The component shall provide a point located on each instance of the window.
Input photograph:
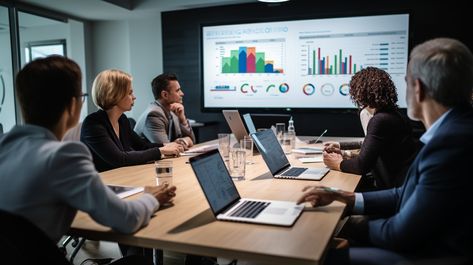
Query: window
(40, 49)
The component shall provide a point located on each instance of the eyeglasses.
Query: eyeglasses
(84, 96)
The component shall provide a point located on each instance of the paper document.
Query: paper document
(125, 191)
(200, 149)
(307, 150)
(315, 159)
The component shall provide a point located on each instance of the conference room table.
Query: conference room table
(188, 225)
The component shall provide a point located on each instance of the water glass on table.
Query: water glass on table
(288, 143)
(237, 163)
(247, 144)
(163, 172)
(224, 144)
(280, 128)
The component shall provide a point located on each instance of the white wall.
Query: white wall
(146, 59)
(134, 46)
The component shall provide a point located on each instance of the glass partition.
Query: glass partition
(41, 36)
(7, 97)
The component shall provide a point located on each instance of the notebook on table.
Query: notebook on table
(227, 204)
(277, 162)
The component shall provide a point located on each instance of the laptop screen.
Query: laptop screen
(235, 123)
(215, 181)
(249, 123)
(269, 147)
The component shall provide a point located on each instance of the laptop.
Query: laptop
(277, 162)
(235, 123)
(225, 201)
(249, 123)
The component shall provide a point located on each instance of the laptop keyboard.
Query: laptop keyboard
(249, 209)
(294, 171)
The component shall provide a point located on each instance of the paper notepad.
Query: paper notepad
(317, 159)
(307, 150)
(200, 149)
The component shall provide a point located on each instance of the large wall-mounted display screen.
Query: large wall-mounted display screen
(300, 63)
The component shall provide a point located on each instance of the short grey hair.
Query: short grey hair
(445, 67)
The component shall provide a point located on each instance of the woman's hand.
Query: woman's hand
(171, 149)
(185, 142)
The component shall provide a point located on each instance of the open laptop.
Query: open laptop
(249, 123)
(235, 123)
(277, 162)
(225, 201)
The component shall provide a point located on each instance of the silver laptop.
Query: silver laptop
(225, 201)
(235, 123)
(277, 162)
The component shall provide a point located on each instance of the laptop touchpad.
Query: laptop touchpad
(275, 210)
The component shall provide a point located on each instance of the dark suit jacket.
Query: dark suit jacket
(427, 215)
(108, 151)
(387, 151)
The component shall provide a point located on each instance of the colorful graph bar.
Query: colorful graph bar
(321, 65)
(248, 60)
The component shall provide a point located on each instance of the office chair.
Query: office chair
(132, 122)
(21, 242)
(73, 134)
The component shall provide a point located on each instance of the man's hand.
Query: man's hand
(163, 193)
(318, 195)
(332, 147)
(332, 160)
(178, 109)
(321, 196)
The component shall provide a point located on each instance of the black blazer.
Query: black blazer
(108, 151)
(387, 151)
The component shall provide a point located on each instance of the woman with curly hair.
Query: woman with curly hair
(389, 146)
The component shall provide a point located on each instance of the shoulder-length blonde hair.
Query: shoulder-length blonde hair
(109, 87)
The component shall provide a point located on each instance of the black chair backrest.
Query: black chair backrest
(21, 242)
(132, 122)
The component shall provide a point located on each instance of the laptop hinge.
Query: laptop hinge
(229, 206)
(286, 167)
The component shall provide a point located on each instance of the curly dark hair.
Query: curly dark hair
(373, 87)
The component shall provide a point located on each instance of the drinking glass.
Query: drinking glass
(163, 172)
(247, 144)
(237, 163)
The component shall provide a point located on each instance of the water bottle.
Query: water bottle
(292, 132)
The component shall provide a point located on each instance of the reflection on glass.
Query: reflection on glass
(7, 100)
(41, 36)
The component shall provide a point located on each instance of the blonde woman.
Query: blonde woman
(108, 133)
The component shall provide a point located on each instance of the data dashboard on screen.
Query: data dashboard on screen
(300, 63)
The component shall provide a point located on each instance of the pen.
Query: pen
(318, 138)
